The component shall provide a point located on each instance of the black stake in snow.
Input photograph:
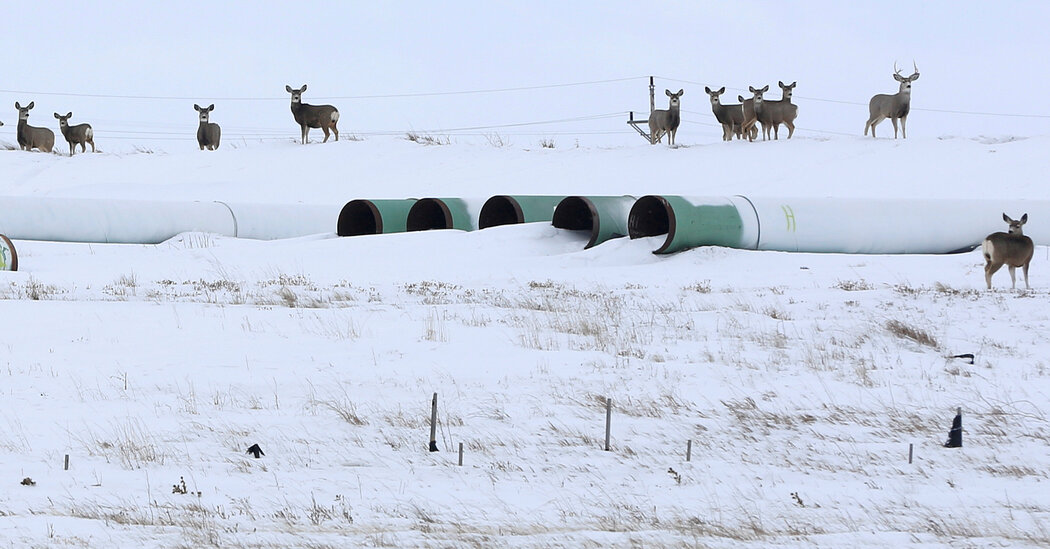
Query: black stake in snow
(955, 434)
(255, 451)
(433, 424)
(608, 421)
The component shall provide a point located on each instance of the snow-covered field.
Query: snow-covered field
(801, 379)
(797, 382)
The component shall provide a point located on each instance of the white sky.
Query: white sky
(971, 59)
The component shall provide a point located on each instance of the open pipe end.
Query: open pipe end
(8, 255)
(577, 213)
(429, 213)
(500, 210)
(359, 217)
(652, 216)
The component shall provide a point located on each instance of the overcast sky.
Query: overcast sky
(971, 58)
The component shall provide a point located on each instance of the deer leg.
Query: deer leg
(92, 145)
(990, 269)
(776, 131)
(1024, 269)
(791, 128)
(1013, 277)
(904, 130)
(325, 130)
(894, 120)
(336, 131)
(306, 130)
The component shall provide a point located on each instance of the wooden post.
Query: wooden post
(461, 454)
(652, 96)
(608, 421)
(911, 452)
(688, 449)
(66, 467)
(433, 424)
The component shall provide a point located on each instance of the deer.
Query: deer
(81, 134)
(758, 111)
(313, 116)
(31, 137)
(782, 112)
(1012, 249)
(208, 133)
(896, 106)
(730, 116)
(666, 121)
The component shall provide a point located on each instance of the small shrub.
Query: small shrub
(917, 335)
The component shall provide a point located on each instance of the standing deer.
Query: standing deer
(782, 112)
(208, 133)
(666, 122)
(76, 135)
(883, 106)
(751, 108)
(313, 116)
(731, 117)
(31, 137)
(1012, 249)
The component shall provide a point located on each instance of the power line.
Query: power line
(373, 96)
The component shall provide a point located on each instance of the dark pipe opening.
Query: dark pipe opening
(359, 217)
(574, 213)
(428, 213)
(577, 213)
(500, 210)
(650, 216)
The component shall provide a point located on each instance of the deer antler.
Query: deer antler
(895, 69)
(916, 67)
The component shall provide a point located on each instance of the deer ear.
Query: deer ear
(31, 104)
(287, 88)
(723, 90)
(58, 116)
(1024, 219)
(681, 92)
(70, 115)
(706, 89)
(765, 88)
(1006, 218)
(17, 106)
(667, 92)
(211, 107)
(914, 77)
(302, 89)
(196, 107)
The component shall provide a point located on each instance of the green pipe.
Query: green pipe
(507, 210)
(360, 217)
(440, 213)
(605, 217)
(687, 225)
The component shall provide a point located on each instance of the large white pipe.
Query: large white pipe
(152, 222)
(836, 225)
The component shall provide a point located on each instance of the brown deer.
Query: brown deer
(1012, 249)
(31, 137)
(883, 106)
(666, 121)
(782, 111)
(313, 116)
(208, 133)
(76, 135)
(731, 117)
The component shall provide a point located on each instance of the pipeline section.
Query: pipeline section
(152, 222)
(830, 225)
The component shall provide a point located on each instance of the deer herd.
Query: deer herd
(307, 116)
(742, 120)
